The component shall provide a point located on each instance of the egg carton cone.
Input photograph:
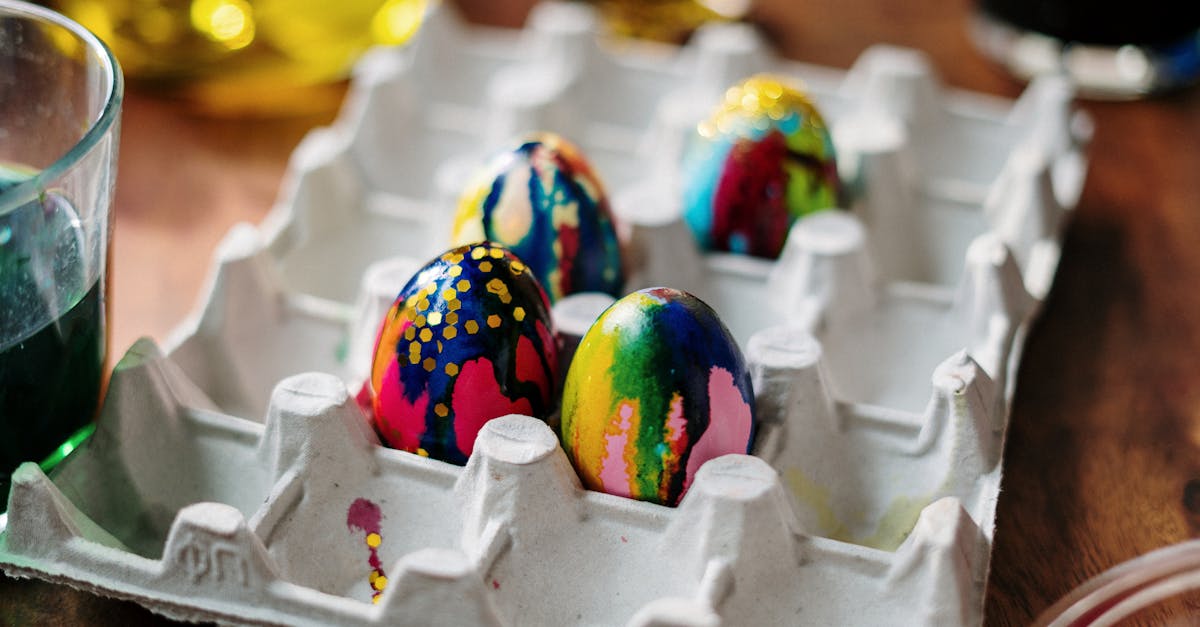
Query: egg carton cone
(928, 168)
(305, 519)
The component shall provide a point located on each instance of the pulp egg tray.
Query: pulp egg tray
(232, 477)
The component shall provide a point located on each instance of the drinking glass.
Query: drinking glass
(60, 107)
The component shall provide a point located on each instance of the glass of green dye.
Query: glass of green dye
(60, 109)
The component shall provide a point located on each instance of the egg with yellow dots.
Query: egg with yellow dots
(468, 339)
(763, 159)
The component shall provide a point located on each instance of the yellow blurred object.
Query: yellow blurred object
(670, 21)
(257, 57)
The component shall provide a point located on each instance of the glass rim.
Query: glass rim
(25, 191)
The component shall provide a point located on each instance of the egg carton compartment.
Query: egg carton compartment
(302, 519)
(928, 168)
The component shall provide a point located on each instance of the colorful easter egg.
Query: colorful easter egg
(763, 159)
(544, 202)
(468, 339)
(657, 387)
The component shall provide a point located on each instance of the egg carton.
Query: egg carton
(851, 501)
(883, 346)
(204, 516)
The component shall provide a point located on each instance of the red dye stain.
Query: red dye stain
(365, 516)
(495, 585)
(750, 213)
(624, 539)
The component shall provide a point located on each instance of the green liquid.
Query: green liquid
(52, 338)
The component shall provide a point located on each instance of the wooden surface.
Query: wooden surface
(1103, 455)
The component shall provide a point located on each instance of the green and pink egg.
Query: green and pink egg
(656, 388)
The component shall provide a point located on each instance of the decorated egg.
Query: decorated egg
(544, 202)
(657, 387)
(468, 339)
(763, 159)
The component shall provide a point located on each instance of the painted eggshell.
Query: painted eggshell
(763, 159)
(468, 339)
(656, 388)
(544, 202)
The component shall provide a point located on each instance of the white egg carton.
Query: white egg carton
(883, 346)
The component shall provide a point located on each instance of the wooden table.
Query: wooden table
(1103, 455)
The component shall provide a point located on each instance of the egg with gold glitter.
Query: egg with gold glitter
(656, 388)
(543, 200)
(764, 158)
(468, 339)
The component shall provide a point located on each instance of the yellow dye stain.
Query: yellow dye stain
(566, 214)
(380, 583)
(896, 523)
(468, 219)
(373, 541)
(511, 217)
(422, 452)
(588, 408)
(816, 497)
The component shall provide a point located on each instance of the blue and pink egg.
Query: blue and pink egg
(543, 201)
